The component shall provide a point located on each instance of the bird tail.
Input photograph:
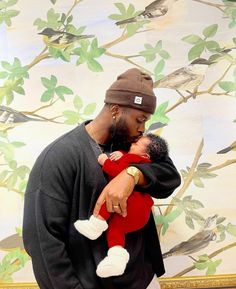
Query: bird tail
(126, 21)
(166, 255)
(85, 36)
(225, 150)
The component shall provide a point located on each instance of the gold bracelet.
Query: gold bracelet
(134, 172)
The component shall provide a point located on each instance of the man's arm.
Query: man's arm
(159, 180)
(45, 225)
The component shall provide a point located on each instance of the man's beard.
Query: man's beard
(120, 137)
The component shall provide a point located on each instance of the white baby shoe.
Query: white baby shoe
(114, 264)
(91, 228)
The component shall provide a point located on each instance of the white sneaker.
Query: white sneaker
(91, 228)
(114, 264)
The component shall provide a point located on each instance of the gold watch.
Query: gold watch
(134, 172)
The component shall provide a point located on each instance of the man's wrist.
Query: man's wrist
(134, 172)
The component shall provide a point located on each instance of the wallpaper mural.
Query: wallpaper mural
(58, 57)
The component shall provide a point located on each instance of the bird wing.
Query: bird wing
(227, 149)
(194, 244)
(181, 79)
(156, 9)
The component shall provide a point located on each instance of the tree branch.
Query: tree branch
(186, 183)
(218, 6)
(187, 270)
(126, 58)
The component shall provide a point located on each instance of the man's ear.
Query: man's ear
(115, 109)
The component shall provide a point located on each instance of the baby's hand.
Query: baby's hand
(116, 155)
(102, 158)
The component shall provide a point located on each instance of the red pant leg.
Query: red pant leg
(104, 213)
(138, 213)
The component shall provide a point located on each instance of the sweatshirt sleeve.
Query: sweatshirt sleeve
(162, 177)
(46, 221)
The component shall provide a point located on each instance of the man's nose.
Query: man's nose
(141, 128)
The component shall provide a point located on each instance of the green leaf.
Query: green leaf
(47, 95)
(53, 80)
(204, 258)
(22, 171)
(210, 31)
(3, 175)
(61, 90)
(212, 46)
(200, 266)
(48, 83)
(130, 10)
(13, 164)
(174, 215)
(196, 216)
(196, 51)
(159, 67)
(231, 229)
(164, 228)
(89, 109)
(11, 3)
(197, 182)
(22, 185)
(121, 7)
(3, 74)
(204, 166)
(78, 103)
(228, 86)
(192, 39)
(195, 204)
(53, 1)
(19, 231)
(12, 13)
(72, 117)
(7, 151)
(211, 269)
(164, 54)
(95, 66)
(18, 144)
(19, 90)
(189, 222)
(40, 23)
(11, 181)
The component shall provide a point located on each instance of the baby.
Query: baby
(149, 148)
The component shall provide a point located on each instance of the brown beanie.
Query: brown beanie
(133, 88)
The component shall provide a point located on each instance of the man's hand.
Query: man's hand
(115, 194)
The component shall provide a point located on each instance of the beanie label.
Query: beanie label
(138, 99)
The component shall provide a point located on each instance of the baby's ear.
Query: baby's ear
(147, 156)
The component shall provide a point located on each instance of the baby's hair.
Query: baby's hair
(158, 147)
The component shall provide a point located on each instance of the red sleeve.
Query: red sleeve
(113, 168)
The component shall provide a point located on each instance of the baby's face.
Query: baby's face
(140, 147)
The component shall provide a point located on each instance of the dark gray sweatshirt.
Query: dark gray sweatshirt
(64, 185)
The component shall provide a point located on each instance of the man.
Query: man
(66, 183)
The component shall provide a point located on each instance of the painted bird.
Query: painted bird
(155, 9)
(10, 118)
(231, 147)
(187, 78)
(197, 242)
(60, 39)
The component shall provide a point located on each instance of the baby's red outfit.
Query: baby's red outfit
(138, 204)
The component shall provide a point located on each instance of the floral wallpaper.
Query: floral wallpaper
(57, 58)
